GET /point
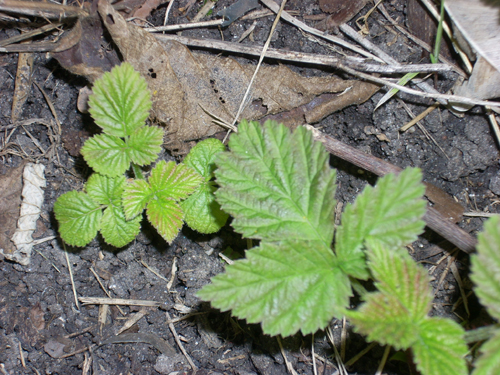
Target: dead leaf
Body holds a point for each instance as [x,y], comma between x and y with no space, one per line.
[23,84]
[92,55]
[11,185]
[185,84]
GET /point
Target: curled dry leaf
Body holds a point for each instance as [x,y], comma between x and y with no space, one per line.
[185,85]
[33,181]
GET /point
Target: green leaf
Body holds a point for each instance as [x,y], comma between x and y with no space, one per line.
[166,216]
[136,196]
[106,154]
[116,230]
[202,157]
[120,102]
[144,145]
[79,217]
[173,181]
[486,267]
[397,314]
[390,212]
[276,184]
[440,349]
[201,211]
[488,362]
[394,313]
[288,286]
[105,190]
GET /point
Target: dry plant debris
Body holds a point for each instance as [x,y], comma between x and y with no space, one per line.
[187,86]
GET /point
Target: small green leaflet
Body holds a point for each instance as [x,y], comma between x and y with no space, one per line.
[488,362]
[286,286]
[120,105]
[397,314]
[486,267]
[201,211]
[391,212]
[277,184]
[80,215]
[168,183]
[120,102]
[486,275]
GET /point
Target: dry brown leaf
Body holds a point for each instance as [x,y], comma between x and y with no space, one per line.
[185,85]
[340,11]
[11,185]
[183,82]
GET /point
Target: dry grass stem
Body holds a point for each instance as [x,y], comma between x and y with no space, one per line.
[70,270]
[289,366]
[183,26]
[419,117]
[456,274]
[287,17]
[118,301]
[179,343]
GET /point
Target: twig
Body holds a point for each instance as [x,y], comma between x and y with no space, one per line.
[418,41]
[71,277]
[418,117]
[434,219]
[289,366]
[179,343]
[439,97]
[183,26]
[357,63]
[118,301]
[287,17]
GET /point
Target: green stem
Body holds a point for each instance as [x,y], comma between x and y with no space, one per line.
[439,36]
[480,334]
[137,171]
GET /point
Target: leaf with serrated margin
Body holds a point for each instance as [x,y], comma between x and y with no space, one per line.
[120,102]
[488,362]
[105,190]
[116,230]
[440,349]
[277,184]
[136,196]
[393,314]
[390,212]
[201,212]
[202,156]
[486,267]
[287,286]
[79,217]
[106,154]
[173,181]
[166,216]
[144,145]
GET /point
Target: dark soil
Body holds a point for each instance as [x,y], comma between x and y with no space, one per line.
[38,316]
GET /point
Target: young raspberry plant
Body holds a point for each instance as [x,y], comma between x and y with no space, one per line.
[279,188]
[112,204]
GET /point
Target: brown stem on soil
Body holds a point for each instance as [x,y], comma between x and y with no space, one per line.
[434,219]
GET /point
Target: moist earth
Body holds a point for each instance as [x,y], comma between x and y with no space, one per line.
[43,331]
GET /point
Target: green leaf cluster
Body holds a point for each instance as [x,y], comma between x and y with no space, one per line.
[82,214]
[120,105]
[279,188]
[167,185]
[486,275]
